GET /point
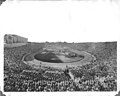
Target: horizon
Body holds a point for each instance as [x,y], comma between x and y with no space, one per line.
[60,41]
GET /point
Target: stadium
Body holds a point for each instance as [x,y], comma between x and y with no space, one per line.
[59,66]
[59,58]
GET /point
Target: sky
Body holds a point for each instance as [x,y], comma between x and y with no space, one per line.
[70,21]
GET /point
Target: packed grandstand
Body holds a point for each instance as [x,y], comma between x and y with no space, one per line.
[96,75]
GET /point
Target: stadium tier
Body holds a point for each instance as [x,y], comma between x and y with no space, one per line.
[10,39]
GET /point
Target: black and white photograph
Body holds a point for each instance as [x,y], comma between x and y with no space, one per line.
[60,47]
[59,66]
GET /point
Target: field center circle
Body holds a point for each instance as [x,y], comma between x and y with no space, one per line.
[50,58]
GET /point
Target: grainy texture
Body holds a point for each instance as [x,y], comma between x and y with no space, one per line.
[97,75]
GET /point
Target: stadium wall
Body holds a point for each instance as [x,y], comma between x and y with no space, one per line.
[9,39]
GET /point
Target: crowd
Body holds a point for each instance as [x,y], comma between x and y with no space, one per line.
[59,82]
[19,77]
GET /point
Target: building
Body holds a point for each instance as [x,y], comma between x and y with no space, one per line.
[10,39]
